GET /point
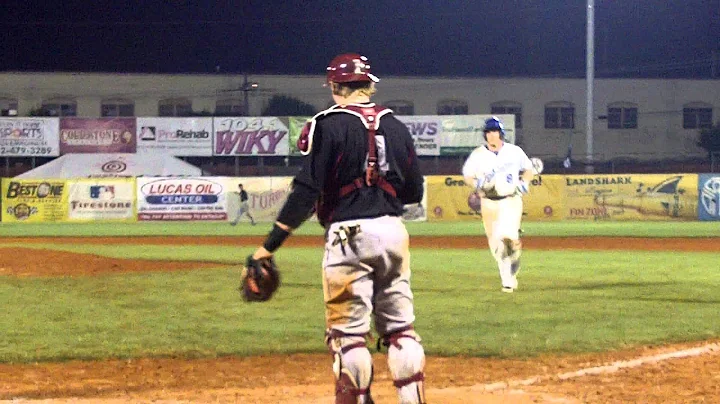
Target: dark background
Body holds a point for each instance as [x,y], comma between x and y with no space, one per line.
[634,38]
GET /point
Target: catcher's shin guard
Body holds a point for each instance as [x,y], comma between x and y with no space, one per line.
[406,360]
[352,366]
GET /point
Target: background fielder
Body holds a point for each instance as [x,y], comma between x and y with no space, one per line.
[501,173]
[244,207]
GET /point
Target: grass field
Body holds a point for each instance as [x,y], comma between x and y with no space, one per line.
[569,301]
[548,229]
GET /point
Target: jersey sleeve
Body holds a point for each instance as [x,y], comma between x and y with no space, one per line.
[309,182]
[472,165]
[525,163]
[412,190]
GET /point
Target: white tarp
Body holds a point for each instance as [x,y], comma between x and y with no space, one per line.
[113,165]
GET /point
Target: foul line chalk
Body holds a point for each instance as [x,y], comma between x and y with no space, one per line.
[613,367]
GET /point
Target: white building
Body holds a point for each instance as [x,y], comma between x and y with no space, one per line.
[637,118]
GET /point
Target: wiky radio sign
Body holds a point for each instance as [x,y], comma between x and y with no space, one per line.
[250,136]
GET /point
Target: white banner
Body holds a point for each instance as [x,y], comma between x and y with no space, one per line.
[29,137]
[257,136]
[463,133]
[266,195]
[425,131]
[175,136]
[181,199]
[101,199]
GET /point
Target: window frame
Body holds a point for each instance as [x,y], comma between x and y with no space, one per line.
[7,105]
[508,108]
[622,115]
[400,107]
[177,105]
[693,114]
[232,102]
[61,106]
[563,112]
[454,106]
[117,104]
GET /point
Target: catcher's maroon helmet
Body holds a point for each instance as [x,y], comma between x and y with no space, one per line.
[350,67]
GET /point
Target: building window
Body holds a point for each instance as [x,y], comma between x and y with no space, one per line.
[559,115]
[8,107]
[697,116]
[230,107]
[452,107]
[175,107]
[117,108]
[60,107]
[622,116]
[508,107]
[401,107]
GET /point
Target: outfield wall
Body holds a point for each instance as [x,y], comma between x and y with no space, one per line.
[631,197]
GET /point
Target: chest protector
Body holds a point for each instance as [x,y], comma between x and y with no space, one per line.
[370,117]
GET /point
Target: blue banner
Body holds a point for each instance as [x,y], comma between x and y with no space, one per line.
[709,196]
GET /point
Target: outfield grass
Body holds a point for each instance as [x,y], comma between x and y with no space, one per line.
[568,301]
[572,228]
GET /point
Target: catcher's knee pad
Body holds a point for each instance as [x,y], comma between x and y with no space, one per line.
[352,366]
[406,360]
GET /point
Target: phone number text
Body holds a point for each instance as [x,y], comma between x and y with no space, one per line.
[25,151]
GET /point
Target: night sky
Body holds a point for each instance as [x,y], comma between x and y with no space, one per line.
[634,38]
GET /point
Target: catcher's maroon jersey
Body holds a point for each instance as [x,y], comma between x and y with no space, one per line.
[338,157]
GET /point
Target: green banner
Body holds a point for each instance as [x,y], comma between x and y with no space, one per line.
[295,125]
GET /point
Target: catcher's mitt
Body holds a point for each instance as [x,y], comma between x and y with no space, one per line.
[259,280]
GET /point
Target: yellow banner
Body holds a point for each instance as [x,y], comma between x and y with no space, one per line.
[631,197]
[546,200]
[448,198]
[34,200]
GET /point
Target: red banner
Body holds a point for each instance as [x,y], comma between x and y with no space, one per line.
[92,135]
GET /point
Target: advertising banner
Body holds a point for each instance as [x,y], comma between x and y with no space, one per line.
[101,199]
[250,136]
[461,134]
[631,197]
[266,195]
[295,126]
[99,135]
[545,201]
[450,199]
[34,201]
[426,133]
[175,136]
[29,137]
[170,199]
[709,197]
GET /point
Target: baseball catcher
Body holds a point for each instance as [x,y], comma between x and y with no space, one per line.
[359,169]
[259,280]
